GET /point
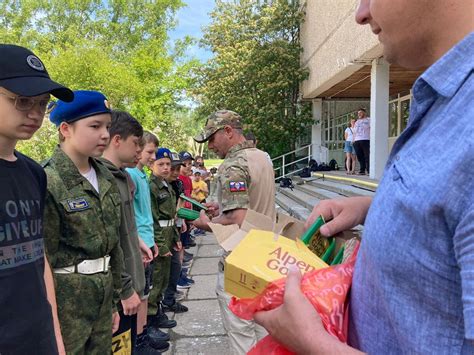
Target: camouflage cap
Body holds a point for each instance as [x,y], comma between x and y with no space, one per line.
[216,121]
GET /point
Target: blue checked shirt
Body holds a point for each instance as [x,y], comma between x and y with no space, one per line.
[413,286]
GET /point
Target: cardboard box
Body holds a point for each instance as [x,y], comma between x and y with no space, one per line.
[262,257]
[262,250]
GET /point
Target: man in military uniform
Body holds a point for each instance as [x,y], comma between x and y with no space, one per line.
[163,207]
[81,225]
[245,180]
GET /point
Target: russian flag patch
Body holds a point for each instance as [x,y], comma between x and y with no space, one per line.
[237,186]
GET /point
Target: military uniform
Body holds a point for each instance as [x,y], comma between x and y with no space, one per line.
[82,224]
[163,207]
[245,179]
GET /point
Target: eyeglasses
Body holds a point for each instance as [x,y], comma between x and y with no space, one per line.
[23,103]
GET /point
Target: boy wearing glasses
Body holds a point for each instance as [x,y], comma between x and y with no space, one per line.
[28,318]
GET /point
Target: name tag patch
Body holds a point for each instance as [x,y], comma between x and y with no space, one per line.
[237,186]
[78,204]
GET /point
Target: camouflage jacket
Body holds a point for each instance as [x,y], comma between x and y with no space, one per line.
[163,207]
[245,179]
[80,223]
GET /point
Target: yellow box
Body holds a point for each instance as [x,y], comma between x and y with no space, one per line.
[261,257]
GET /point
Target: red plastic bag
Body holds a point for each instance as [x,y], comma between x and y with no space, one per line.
[326,289]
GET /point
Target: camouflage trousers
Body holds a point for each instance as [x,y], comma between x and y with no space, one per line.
[85,312]
[161,276]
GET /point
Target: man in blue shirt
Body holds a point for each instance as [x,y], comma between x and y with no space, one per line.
[413,285]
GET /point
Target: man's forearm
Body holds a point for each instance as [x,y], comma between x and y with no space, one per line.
[236,216]
[51,295]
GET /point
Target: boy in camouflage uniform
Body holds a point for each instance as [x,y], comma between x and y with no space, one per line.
[82,219]
[163,206]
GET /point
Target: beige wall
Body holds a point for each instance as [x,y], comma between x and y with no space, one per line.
[331,40]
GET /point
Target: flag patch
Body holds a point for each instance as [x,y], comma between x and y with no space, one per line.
[237,186]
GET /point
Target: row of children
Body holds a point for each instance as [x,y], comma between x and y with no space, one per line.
[87,242]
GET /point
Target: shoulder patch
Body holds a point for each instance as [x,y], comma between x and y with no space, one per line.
[76,205]
[237,186]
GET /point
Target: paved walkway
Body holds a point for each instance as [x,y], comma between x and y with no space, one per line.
[200,330]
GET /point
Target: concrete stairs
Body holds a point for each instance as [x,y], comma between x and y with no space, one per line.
[308,192]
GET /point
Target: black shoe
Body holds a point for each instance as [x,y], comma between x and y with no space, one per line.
[187,259]
[146,348]
[154,334]
[189,245]
[188,255]
[161,321]
[175,307]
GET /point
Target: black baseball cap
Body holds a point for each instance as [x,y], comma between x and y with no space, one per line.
[23,73]
[185,156]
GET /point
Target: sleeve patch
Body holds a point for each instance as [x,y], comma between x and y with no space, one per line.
[237,186]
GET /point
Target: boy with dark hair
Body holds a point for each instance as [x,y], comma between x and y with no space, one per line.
[144,222]
[27,301]
[125,136]
[170,301]
[163,206]
[82,220]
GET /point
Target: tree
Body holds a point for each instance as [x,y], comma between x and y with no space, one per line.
[119,47]
[256,70]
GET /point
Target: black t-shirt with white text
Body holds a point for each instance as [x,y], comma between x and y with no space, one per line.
[26,325]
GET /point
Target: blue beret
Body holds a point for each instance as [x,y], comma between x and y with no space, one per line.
[163,153]
[85,104]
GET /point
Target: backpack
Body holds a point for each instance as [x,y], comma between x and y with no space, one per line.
[333,165]
[286,182]
[306,172]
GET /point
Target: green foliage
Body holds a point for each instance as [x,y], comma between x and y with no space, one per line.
[256,69]
[119,47]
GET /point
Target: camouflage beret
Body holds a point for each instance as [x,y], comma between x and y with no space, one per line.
[216,121]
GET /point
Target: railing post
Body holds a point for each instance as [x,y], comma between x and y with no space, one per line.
[283,167]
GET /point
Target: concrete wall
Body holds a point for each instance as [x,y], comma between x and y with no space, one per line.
[332,40]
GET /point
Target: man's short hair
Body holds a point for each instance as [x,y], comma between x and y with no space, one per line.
[250,136]
[124,125]
[362,109]
[149,137]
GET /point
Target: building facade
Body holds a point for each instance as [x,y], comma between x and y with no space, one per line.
[347,71]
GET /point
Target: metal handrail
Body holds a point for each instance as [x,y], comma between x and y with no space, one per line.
[284,165]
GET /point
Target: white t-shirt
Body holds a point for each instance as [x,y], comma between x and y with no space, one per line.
[91,176]
[362,129]
[350,136]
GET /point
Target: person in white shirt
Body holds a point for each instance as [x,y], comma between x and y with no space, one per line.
[351,157]
[362,140]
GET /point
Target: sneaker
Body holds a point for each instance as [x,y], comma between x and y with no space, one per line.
[162,321]
[145,347]
[175,307]
[187,258]
[186,264]
[188,280]
[190,244]
[183,285]
[156,335]
[179,297]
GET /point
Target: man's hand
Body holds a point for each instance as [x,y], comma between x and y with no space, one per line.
[131,304]
[178,246]
[343,214]
[213,208]
[297,325]
[156,251]
[147,255]
[202,222]
[184,227]
[115,322]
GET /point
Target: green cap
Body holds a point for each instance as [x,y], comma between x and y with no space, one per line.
[216,121]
